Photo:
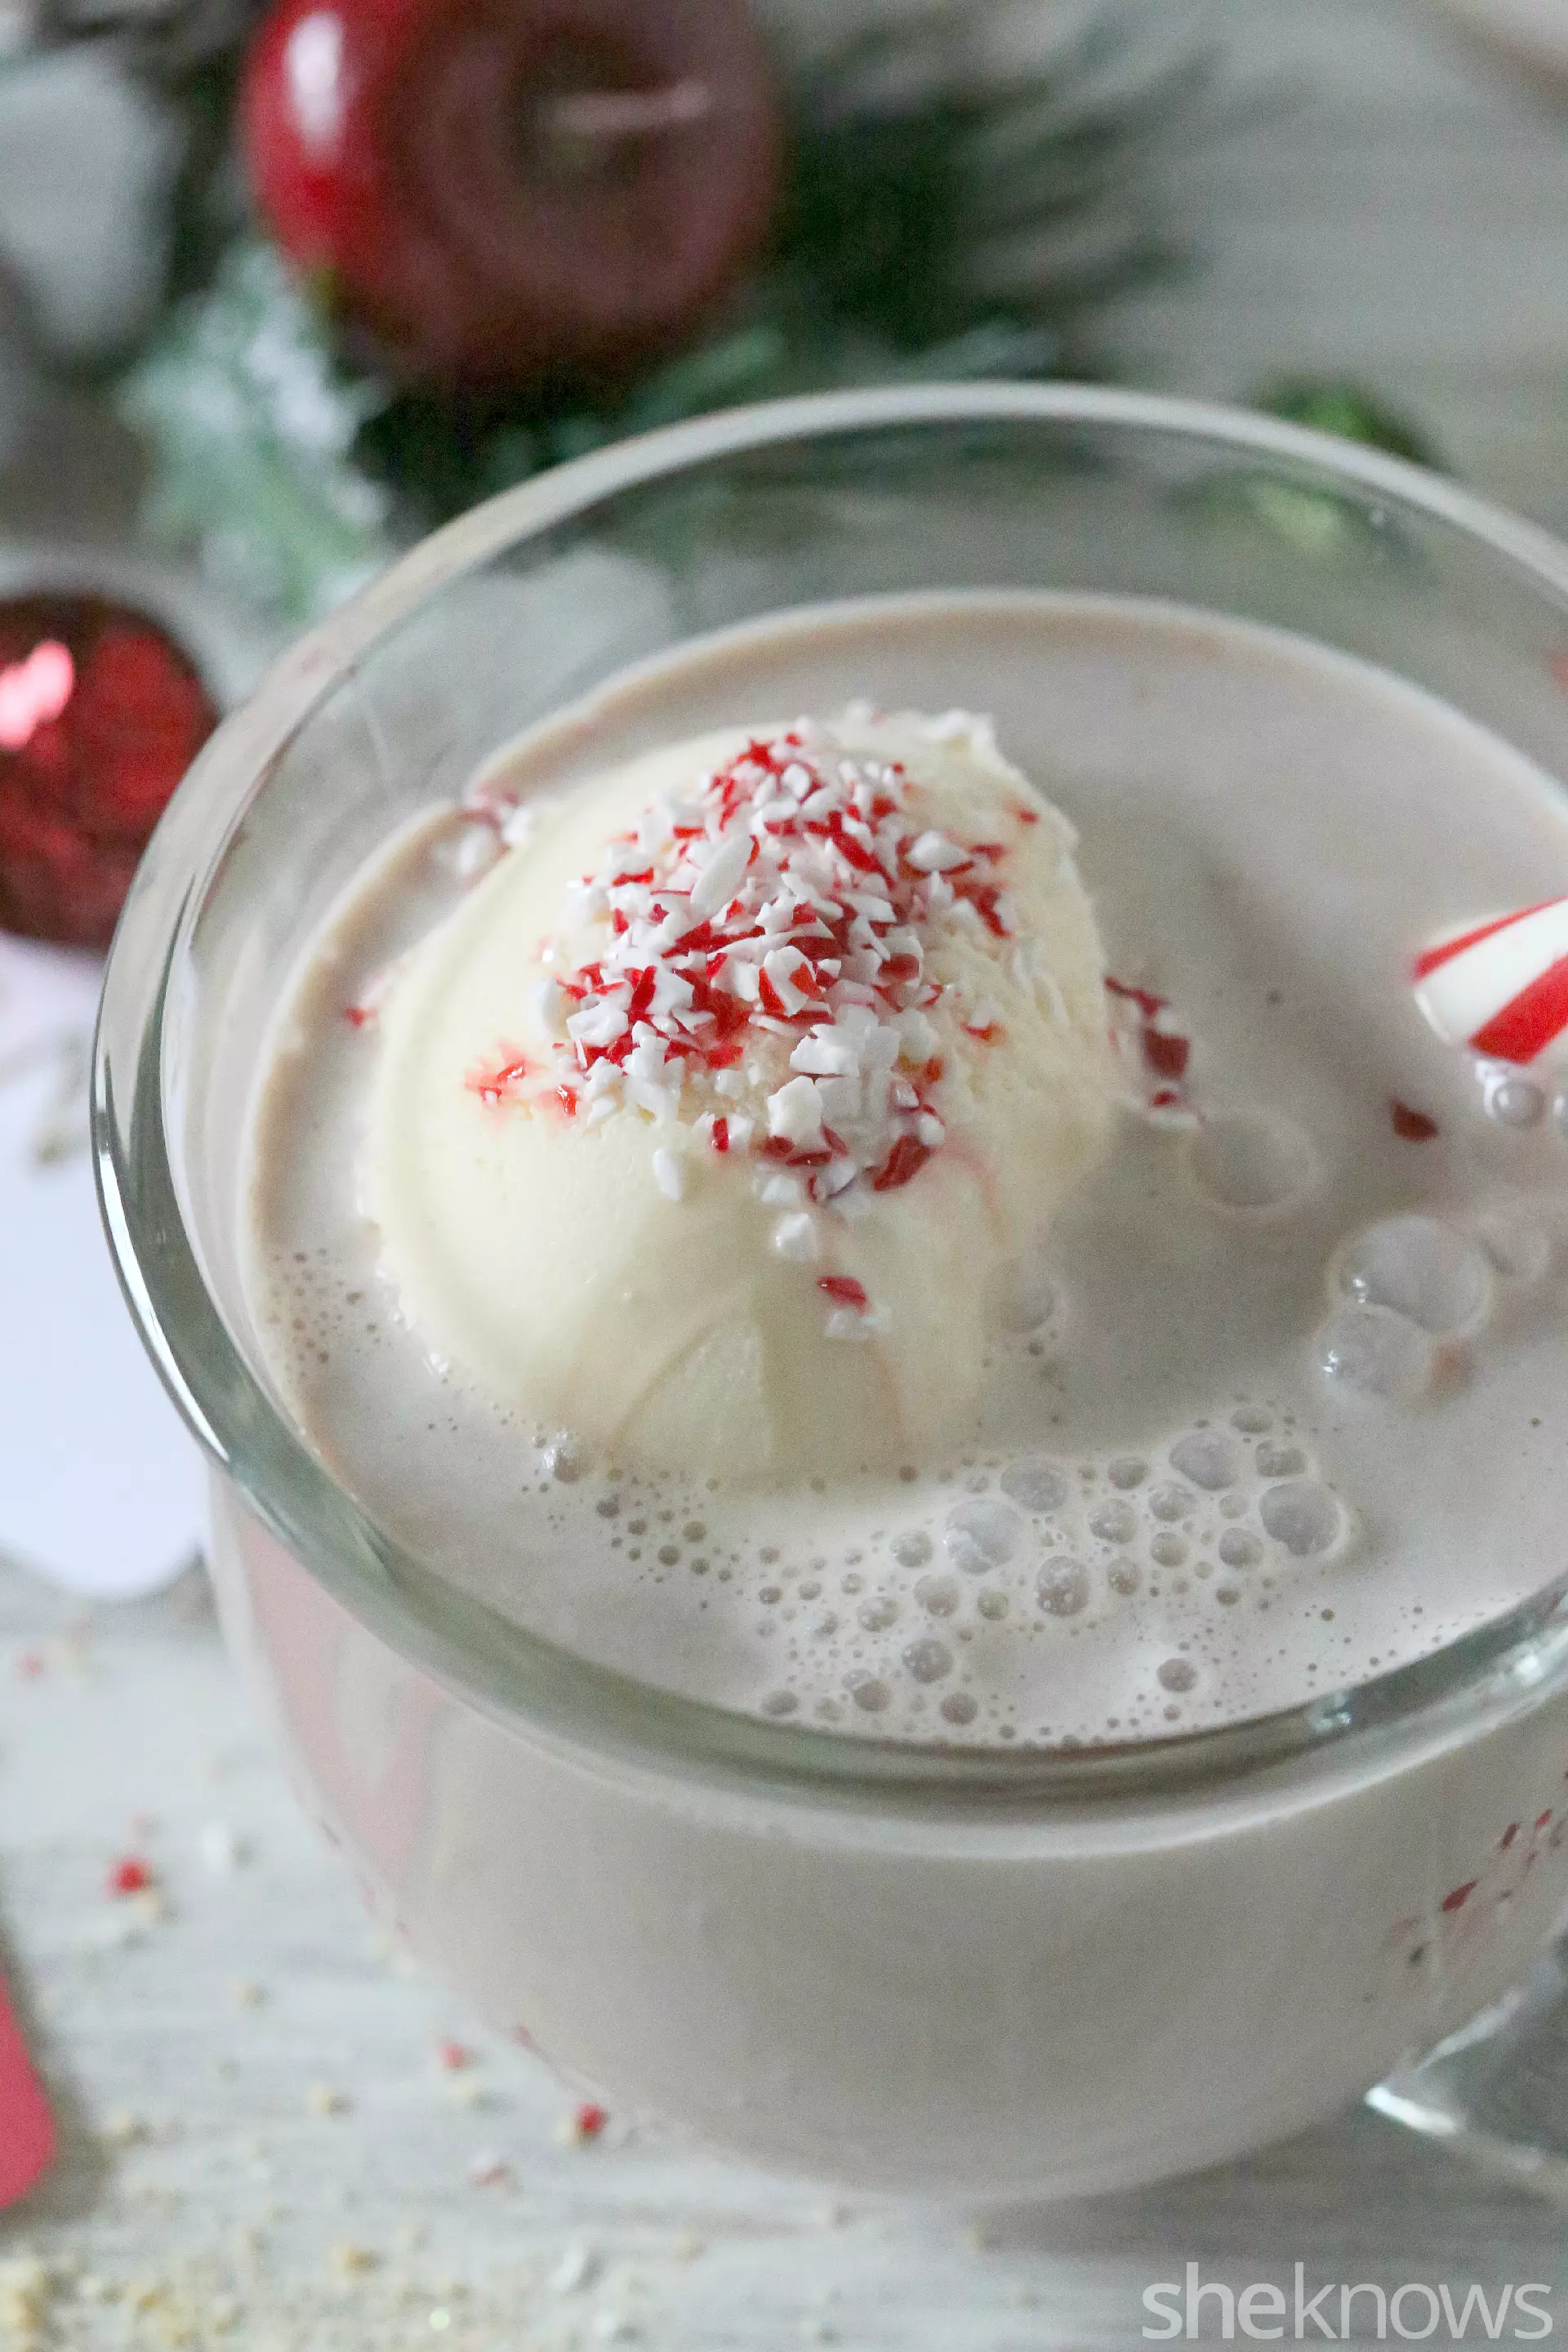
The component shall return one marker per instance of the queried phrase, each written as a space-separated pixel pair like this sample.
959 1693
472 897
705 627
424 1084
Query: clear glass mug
918 1967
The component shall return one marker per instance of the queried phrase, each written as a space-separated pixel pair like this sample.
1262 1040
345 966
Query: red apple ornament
100 715
504 193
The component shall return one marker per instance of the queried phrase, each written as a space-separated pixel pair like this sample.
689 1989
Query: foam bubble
1420 1268
1253 1161
939 1596
1513 1101
1377 1353
929 1659
982 1535
563 1460
1113 1521
1516 1245
1209 1458
1028 1296
1063 1586
1038 1484
1302 1514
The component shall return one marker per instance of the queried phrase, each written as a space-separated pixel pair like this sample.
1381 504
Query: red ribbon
27 2126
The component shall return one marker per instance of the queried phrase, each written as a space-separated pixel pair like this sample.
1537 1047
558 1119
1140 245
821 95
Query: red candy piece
505 191
1166 1054
1411 1126
905 1161
86 771
131 1877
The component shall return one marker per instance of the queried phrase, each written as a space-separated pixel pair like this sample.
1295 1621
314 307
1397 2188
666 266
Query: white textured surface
74 1380
1402 218
197 2065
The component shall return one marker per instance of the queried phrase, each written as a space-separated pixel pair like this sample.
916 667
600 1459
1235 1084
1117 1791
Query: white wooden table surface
262 2144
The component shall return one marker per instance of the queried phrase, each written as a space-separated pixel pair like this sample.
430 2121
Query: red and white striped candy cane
1500 987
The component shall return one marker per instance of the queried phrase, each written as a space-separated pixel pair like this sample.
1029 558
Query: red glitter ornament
100 715
502 191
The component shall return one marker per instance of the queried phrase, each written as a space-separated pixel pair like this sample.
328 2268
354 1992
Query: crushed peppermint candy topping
763 979
789 903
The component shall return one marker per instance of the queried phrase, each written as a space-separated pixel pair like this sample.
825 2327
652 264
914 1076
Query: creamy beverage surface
1257 1389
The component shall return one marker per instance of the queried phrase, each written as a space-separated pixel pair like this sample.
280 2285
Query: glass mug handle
1496 2091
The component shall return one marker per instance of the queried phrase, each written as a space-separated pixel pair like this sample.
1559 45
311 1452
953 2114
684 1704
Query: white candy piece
934 854
795 1114
794 1237
669 1174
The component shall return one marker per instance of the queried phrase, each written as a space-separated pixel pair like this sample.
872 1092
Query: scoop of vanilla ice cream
705 1125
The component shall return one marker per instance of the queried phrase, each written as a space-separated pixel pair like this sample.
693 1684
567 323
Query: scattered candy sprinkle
27 2293
123 2128
576 2267
585 2123
131 1875
352 2261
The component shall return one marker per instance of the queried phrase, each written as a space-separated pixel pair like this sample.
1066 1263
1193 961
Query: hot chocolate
1171 1334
